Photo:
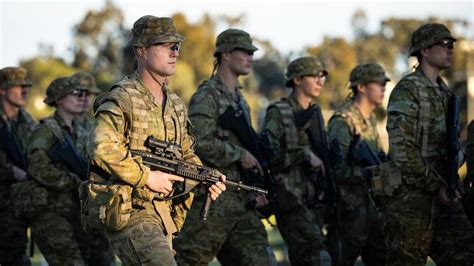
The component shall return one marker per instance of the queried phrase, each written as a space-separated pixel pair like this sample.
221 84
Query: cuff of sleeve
145 173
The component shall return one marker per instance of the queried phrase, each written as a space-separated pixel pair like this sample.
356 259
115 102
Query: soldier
138 106
232 232
88 81
416 215
100 251
361 224
17 123
57 227
299 219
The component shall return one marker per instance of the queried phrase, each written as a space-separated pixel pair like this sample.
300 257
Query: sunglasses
80 93
448 44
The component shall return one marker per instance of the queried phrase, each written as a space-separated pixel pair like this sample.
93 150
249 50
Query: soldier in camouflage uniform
361 224
88 81
57 228
468 199
100 251
416 215
298 219
232 232
14 89
138 106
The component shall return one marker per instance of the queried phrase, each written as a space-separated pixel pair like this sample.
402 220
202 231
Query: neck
66 116
303 99
153 82
431 72
229 79
10 110
365 107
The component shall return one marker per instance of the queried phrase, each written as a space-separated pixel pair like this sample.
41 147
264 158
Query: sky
288 25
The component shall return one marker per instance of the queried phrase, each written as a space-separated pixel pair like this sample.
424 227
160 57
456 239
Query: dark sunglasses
449 44
80 93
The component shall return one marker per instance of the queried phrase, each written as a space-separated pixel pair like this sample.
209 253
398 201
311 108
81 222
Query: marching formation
137 174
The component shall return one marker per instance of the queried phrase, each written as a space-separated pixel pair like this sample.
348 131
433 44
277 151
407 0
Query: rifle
65 152
235 120
361 153
166 157
453 147
10 144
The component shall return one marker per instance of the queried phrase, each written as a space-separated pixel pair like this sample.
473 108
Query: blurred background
57 38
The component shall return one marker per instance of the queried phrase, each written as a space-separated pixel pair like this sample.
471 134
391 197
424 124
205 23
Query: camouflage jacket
417 130
217 147
22 129
344 125
124 118
56 177
292 150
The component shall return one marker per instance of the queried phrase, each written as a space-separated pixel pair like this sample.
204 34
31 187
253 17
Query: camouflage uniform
232 233
100 251
361 224
468 199
13 236
416 223
299 222
124 118
57 229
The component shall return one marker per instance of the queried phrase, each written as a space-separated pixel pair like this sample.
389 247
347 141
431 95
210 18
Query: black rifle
361 153
65 152
10 144
166 157
235 120
452 126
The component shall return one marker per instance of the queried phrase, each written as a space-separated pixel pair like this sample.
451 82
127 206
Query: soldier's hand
162 182
261 200
443 196
217 188
250 162
316 162
19 174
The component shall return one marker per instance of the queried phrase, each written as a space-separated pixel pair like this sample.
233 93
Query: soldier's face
161 58
15 96
375 92
440 55
240 61
311 86
73 103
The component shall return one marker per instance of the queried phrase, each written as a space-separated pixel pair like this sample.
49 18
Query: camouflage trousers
234 235
143 241
300 227
60 239
361 234
100 251
13 238
417 225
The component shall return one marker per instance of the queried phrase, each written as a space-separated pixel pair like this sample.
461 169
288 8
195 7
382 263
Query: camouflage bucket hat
232 39
303 66
61 87
87 81
365 73
149 30
13 76
427 35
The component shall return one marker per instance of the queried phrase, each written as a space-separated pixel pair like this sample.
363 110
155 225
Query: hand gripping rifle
235 120
166 157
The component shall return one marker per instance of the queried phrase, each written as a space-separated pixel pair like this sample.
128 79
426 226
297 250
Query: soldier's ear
225 56
297 81
360 88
